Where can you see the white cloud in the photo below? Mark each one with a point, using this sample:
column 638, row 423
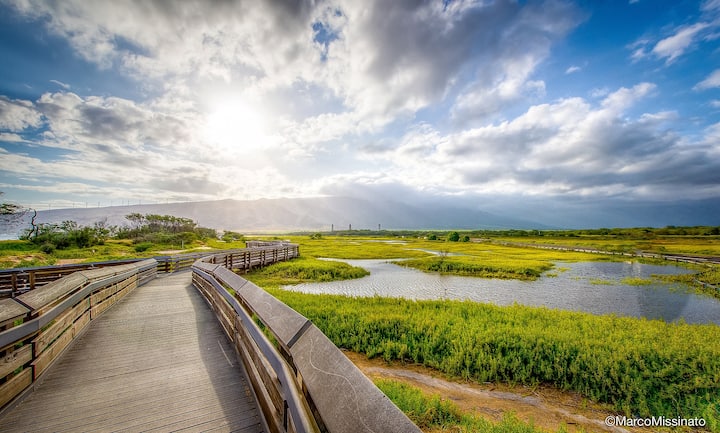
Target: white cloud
column 384, row 61
column 10, row 137
column 712, row 81
column 573, row 69
column 332, row 77
column 61, row 84
column 568, row 147
column 17, row 115
column 674, row 46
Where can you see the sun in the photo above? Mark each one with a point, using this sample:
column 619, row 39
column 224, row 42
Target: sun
column 236, row 125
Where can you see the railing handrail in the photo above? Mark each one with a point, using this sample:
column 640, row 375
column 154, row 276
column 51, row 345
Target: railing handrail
column 297, row 410
column 9, row 283
column 43, row 322
column 340, row 397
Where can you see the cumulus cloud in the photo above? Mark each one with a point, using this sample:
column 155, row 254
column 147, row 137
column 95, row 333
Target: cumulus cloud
column 335, row 77
column 567, row 147
column 17, row 115
column 507, row 61
column 148, row 149
column 381, row 59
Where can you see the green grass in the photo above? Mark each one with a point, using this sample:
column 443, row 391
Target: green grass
column 639, row 366
column 358, row 248
column 601, row 282
column 495, row 267
column 434, row 412
column 697, row 245
column 636, row 281
column 21, row 254
column 304, row 269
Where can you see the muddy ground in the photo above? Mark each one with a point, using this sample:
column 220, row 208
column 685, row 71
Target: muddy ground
column 546, row 407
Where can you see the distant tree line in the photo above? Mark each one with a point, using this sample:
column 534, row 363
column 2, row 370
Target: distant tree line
column 636, row 232
column 67, row 234
column 143, row 230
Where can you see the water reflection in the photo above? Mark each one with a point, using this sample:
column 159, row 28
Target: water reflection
column 593, row 287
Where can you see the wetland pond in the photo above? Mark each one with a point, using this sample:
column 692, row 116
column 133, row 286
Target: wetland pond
column 592, row 287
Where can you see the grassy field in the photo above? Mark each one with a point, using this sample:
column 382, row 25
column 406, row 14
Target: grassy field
column 459, row 258
column 703, row 245
column 638, row 366
column 19, row 254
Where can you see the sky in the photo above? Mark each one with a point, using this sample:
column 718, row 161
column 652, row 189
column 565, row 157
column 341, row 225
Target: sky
column 529, row 107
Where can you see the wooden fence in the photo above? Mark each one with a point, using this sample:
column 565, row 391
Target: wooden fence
column 303, row 382
column 14, row 282
column 35, row 327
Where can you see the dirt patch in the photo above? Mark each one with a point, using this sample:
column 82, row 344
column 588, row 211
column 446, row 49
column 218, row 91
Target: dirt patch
column 68, row 261
column 546, row 407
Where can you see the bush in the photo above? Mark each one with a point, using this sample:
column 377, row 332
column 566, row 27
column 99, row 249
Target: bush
column 47, row 248
column 143, row 246
column 232, row 236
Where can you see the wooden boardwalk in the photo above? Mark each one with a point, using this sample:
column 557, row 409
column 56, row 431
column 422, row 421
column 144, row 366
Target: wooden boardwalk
column 156, row 361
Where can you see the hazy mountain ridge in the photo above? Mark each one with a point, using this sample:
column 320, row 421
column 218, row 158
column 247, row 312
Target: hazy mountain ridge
column 316, row 214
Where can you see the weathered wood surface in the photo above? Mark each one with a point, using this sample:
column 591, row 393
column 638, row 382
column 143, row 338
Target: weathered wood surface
column 10, row 311
column 344, row 399
column 157, row 361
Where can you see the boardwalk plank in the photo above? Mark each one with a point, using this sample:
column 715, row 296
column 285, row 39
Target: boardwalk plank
column 157, row 360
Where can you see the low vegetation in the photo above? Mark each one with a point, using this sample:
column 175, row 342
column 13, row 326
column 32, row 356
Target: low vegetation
column 305, row 269
column 640, row 367
column 496, row 267
column 146, row 236
column 432, row 412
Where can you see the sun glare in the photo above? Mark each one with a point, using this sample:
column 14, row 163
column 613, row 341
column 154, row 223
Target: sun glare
column 235, row 125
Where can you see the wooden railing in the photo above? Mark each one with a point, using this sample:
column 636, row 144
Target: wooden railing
column 303, row 382
column 14, row 282
column 37, row 326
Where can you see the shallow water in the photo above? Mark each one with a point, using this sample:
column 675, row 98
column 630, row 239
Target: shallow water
column 574, row 288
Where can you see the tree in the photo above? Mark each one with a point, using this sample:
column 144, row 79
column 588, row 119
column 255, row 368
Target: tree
column 453, row 236
column 11, row 213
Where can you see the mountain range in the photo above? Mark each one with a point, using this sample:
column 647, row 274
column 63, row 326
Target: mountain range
column 296, row 214
column 341, row 213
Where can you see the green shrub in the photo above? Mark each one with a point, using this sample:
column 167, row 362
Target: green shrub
column 143, row 246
